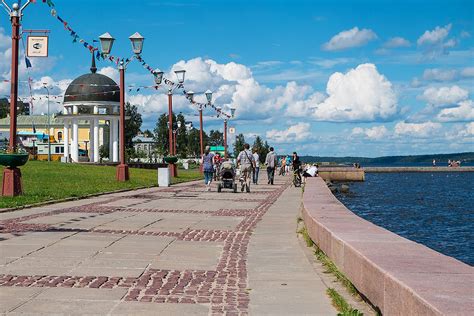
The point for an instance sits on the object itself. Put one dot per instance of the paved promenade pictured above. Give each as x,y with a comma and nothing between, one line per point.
167,251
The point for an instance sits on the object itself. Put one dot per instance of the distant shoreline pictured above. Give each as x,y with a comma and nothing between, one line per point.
418,169
466,159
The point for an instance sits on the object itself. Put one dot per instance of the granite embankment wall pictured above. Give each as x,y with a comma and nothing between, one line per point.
399,276
341,173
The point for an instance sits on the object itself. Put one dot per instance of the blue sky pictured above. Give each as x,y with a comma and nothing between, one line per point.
321,77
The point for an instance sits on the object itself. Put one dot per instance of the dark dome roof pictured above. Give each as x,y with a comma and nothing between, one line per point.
92,87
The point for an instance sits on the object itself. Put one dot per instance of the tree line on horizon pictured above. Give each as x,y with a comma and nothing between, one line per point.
187,139
464,157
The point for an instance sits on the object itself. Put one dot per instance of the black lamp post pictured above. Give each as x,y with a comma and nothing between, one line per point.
106,43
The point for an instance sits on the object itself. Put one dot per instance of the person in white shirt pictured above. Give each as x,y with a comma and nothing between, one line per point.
256,170
311,171
247,163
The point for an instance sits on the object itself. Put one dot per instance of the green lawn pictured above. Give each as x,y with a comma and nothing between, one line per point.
43,181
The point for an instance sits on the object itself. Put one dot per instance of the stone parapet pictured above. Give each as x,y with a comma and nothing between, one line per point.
399,276
341,173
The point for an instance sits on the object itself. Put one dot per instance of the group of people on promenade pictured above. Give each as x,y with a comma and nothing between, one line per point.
249,163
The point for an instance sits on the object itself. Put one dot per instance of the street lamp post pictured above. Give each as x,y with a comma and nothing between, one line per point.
175,133
106,43
49,126
180,75
11,185
208,94
225,139
232,114
209,101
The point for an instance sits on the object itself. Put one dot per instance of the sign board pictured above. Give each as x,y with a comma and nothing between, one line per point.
231,130
216,148
37,46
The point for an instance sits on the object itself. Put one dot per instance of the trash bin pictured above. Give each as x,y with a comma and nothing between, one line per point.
164,177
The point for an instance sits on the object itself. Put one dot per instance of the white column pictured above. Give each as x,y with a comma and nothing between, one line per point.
115,144
66,140
75,141
91,140
96,140
111,148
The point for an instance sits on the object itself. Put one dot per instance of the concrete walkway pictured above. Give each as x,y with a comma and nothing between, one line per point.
167,251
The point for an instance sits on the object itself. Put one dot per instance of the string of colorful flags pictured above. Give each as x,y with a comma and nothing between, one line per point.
76,38
185,93
27,100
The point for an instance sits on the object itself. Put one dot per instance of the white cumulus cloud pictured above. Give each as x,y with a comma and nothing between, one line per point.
436,42
395,42
354,37
294,133
436,74
444,96
422,130
468,130
373,133
435,36
361,94
110,72
462,113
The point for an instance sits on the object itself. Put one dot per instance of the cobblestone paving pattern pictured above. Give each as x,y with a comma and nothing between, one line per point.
223,288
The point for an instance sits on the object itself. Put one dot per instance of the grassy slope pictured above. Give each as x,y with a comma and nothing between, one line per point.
43,181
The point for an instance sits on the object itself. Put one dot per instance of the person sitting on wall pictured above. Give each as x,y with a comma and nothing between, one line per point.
311,171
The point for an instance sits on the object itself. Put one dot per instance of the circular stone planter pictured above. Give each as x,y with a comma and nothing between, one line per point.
13,160
171,159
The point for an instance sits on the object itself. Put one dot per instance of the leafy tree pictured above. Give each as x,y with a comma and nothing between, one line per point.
265,151
216,138
23,108
259,146
194,146
161,133
132,125
103,151
148,133
239,144
181,137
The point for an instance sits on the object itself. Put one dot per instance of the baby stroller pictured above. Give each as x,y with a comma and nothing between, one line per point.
227,174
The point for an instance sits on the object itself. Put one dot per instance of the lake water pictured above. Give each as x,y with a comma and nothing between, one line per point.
435,209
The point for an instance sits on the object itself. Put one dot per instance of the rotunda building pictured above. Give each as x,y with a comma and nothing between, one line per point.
94,98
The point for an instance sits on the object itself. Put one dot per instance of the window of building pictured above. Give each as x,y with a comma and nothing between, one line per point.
60,136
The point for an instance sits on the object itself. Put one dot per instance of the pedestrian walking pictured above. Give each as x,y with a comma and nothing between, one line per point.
256,170
287,165
208,167
247,163
271,161
282,166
